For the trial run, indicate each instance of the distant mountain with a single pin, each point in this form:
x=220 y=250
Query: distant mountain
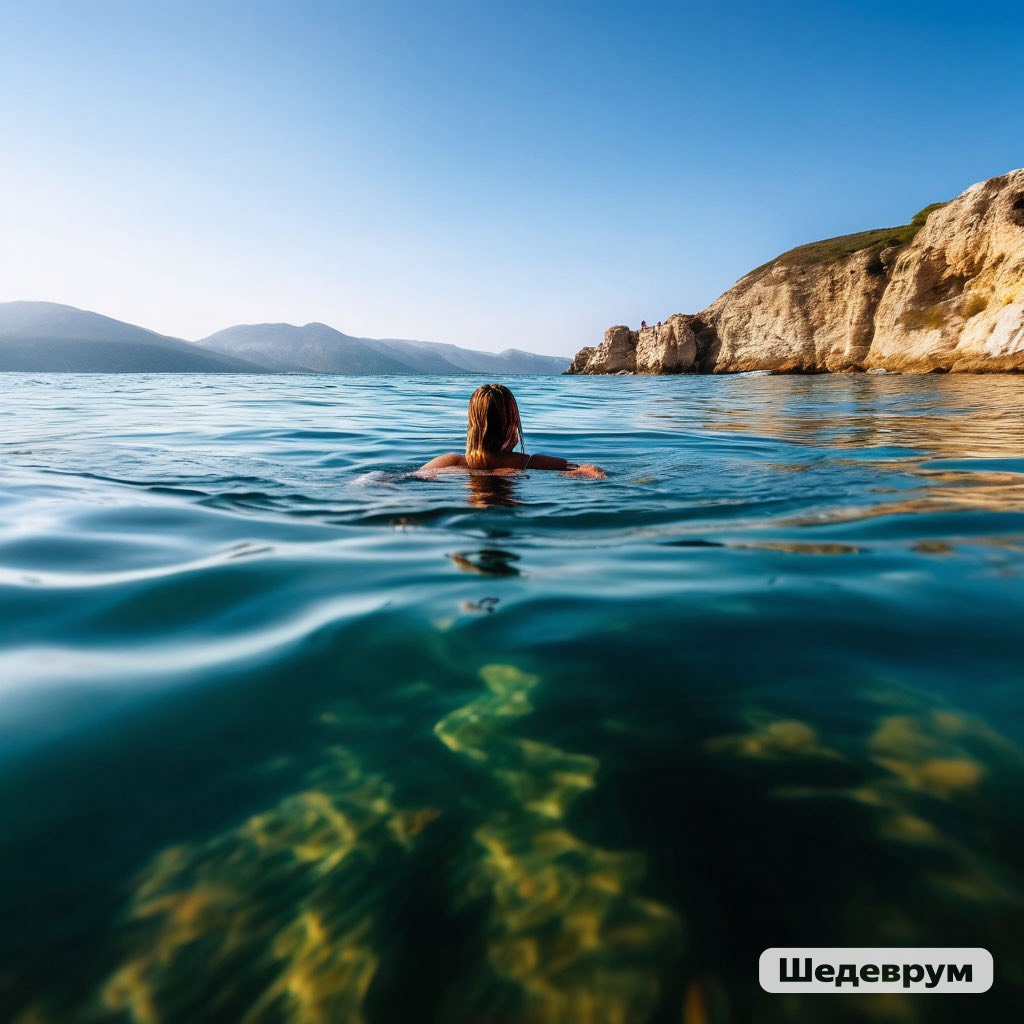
x=317 y=348
x=46 y=337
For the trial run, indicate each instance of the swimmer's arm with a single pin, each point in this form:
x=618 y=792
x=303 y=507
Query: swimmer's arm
x=572 y=468
x=583 y=469
x=447 y=461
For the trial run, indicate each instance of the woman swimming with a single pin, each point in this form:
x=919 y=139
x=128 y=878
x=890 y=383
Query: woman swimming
x=493 y=432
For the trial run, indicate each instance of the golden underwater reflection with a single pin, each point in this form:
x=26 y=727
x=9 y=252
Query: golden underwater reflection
x=204 y=912
x=924 y=767
x=279 y=918
x=770 y=738
x=917 y=758
x=568 y=925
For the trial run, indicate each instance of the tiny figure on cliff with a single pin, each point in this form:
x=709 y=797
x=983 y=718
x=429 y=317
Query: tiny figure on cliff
x=493 y=432
x=659 y=325
x=643 y=325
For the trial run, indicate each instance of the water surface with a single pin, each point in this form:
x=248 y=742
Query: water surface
x=288 y=735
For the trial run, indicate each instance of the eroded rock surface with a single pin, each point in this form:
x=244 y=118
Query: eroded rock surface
x=670 y=347
x=943 y=293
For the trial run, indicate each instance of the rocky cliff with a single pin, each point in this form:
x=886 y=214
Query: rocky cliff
x=943 y=293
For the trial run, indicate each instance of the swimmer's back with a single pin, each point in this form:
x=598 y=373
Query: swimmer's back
x=488 y=461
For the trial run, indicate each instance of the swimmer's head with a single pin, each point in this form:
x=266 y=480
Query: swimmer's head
x=494 y=427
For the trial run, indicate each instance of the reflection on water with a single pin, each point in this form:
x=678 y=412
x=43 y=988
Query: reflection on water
x=796 y=547
x=940 y=491
x=291 y=737
x=487 y=561
x=962 y=417
x=486 y=605
x=491 y=488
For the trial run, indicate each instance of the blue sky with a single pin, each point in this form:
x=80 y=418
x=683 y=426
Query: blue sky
x=490 y=174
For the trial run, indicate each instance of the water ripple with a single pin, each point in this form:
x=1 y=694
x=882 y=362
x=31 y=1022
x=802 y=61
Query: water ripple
x=288 y=732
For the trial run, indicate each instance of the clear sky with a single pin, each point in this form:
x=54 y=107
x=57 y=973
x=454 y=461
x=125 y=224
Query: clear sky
x=492 y=174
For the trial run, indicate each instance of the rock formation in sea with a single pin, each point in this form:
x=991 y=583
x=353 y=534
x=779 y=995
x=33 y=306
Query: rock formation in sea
x=943 y=293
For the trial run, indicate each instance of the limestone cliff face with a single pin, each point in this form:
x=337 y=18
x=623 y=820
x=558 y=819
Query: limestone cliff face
x=670 y=347
x=796 y=319
x=944 y=293
x=955 y=299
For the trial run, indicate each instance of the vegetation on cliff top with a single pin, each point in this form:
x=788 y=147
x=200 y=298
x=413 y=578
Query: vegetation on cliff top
x=832 y=250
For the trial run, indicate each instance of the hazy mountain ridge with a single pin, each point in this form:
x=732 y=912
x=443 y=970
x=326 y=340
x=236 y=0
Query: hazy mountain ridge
x=314 y=348
x=318 y=348
x=48 y=337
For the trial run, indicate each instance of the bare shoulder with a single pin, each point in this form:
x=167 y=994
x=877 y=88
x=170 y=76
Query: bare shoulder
x=450 y=460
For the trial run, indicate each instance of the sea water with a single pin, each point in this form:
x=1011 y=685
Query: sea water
x=288 y=734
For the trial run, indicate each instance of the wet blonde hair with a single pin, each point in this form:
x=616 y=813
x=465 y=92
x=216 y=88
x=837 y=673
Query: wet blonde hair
x=493 y=426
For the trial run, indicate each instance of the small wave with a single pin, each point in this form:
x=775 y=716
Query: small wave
x=380 y=478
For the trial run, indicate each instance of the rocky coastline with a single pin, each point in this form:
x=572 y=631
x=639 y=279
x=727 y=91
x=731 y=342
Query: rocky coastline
x=944 y=293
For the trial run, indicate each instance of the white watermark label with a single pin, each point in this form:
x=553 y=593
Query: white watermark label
x=898 y=969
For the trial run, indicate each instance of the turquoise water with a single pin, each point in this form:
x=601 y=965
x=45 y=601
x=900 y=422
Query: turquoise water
x=288 y=735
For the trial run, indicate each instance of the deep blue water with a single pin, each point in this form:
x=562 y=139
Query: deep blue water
x=288 y=735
